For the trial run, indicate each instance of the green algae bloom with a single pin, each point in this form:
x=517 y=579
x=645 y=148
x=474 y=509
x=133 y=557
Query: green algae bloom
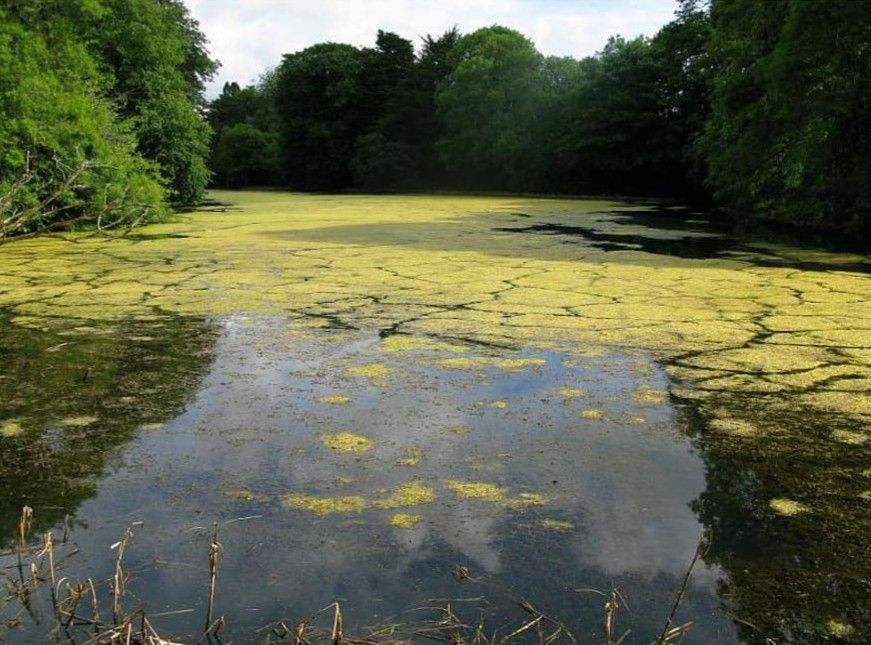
x=348 y=442
x=850 y=438
x=324 y=505
x=555 y=525
x=593 y=414
x=77 y=422
x=413 y=493
x=246 y=495
x=405 y=520
x=335 y=399
x=411 y=456
x=10 y=428
x=477 y=490
x=377 y=373
x=787 y=507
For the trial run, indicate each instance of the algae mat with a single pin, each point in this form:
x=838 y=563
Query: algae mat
x=414 y=381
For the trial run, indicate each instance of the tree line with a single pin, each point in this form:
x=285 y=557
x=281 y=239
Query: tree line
x=761 y=108
x=101 y=112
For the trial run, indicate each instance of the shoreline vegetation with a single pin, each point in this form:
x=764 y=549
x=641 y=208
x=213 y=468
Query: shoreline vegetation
x=98 y=612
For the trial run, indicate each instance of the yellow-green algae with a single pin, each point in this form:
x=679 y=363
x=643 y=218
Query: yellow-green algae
x=463 y=281
x=405 y=520
x=324 y=505
x=477 y=490
x=403 y=343
x=246 y=495
x=492 y=493
x=593 y=413
x=840 y=629
x=335 y=399
x=783 y=506
x=555 y=525
x=10 y=428
x=348 y=442
x=377 y=373
x=411 y=456
x=480 y=362
x=413 y=493
x=850 y=437
x=500 y=405
x=570 y=392
x=78 y=422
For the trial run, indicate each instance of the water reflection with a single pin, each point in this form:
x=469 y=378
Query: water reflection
x=548 y=474
x=75 y=393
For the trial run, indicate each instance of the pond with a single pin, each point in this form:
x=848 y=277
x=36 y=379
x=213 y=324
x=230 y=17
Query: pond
x=405 y=403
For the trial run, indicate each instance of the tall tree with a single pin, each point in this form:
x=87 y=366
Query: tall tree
x=65 y=157
x=158 y=62
x=789 y=137
x=320 y=91
x=488 y=104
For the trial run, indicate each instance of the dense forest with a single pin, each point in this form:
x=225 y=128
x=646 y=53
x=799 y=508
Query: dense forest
x=759 y=108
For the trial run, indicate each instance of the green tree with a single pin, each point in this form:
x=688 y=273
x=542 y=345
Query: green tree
x=789 y=137
x=65 y=158
x=319 y=91
x=158 y=63
x=243 y=156
x=488 y=104
x=382 y=165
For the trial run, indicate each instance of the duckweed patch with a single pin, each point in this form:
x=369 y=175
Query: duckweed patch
x=77 y=422
x=405 y=520
x=335 y=399
x=413 y=493
x=377 y=373
x=555 y=525
x=348 y=442
x=10 y=428
x=787 y=507
x=324 y=505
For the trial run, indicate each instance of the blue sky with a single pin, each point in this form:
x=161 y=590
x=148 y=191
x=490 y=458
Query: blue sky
x=249 y=36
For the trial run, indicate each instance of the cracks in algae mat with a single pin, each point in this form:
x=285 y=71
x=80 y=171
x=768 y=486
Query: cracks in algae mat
x=766 y=349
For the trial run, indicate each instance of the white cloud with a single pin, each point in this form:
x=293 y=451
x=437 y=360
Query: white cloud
x=249 y=36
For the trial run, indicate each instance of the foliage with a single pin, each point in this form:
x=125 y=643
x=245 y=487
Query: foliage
x=244 y=156
x=100 y=118
x=488 y=105
x=789 y=133
x=159 y=65
x=63 y=154
x=381 y=165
